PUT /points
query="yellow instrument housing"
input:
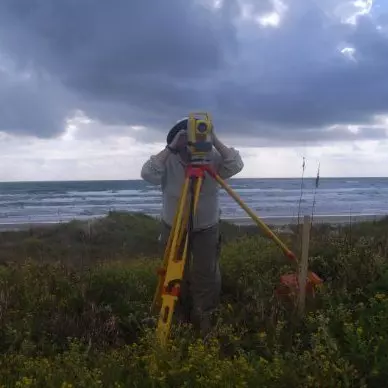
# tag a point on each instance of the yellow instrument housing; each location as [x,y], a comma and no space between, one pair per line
[199,133]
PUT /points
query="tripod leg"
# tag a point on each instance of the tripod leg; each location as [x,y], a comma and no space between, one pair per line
[311,275]
[196,198]
[177,234]
[174,274]
[184,303]
[254,217]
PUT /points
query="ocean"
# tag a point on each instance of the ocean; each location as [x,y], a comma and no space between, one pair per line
[52,202]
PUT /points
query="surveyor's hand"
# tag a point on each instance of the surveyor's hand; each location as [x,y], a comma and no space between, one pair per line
[179,138]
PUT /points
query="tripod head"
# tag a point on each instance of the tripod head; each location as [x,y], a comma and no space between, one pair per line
[199,136]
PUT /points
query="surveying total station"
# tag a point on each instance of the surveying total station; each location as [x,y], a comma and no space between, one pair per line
[199,135]
[179,241]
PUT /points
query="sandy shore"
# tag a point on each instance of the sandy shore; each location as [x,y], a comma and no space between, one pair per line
[246,221]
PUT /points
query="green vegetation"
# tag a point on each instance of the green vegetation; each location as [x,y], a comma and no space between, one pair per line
[75,298]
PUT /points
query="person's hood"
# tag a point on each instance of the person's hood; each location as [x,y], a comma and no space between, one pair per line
[179,126]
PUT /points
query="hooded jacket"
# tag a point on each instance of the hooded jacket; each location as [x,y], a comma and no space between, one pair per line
[171,177]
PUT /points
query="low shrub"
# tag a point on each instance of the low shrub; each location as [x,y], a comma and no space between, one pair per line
[66,325]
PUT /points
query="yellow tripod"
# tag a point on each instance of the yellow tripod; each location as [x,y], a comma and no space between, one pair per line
[171,274]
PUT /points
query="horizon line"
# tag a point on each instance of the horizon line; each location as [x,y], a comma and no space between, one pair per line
[233,178]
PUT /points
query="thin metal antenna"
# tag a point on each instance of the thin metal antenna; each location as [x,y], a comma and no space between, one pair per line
[315,192]
[301,187]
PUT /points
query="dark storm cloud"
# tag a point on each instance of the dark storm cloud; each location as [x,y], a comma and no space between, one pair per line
[150,62]
[30,107]
[303,80]
[146,55]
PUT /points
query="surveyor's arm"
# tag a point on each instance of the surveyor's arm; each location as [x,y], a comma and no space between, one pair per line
[153,169]
[229,161]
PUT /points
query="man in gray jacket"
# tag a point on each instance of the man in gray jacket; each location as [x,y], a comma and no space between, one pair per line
[202,281]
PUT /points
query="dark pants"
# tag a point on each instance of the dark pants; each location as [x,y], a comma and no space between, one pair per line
[201,283]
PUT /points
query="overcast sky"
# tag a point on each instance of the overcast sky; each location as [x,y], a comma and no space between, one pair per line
[89,89]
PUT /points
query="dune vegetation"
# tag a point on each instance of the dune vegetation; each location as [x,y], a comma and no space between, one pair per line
[75,299]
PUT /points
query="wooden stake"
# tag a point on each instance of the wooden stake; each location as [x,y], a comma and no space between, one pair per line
[303,265]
